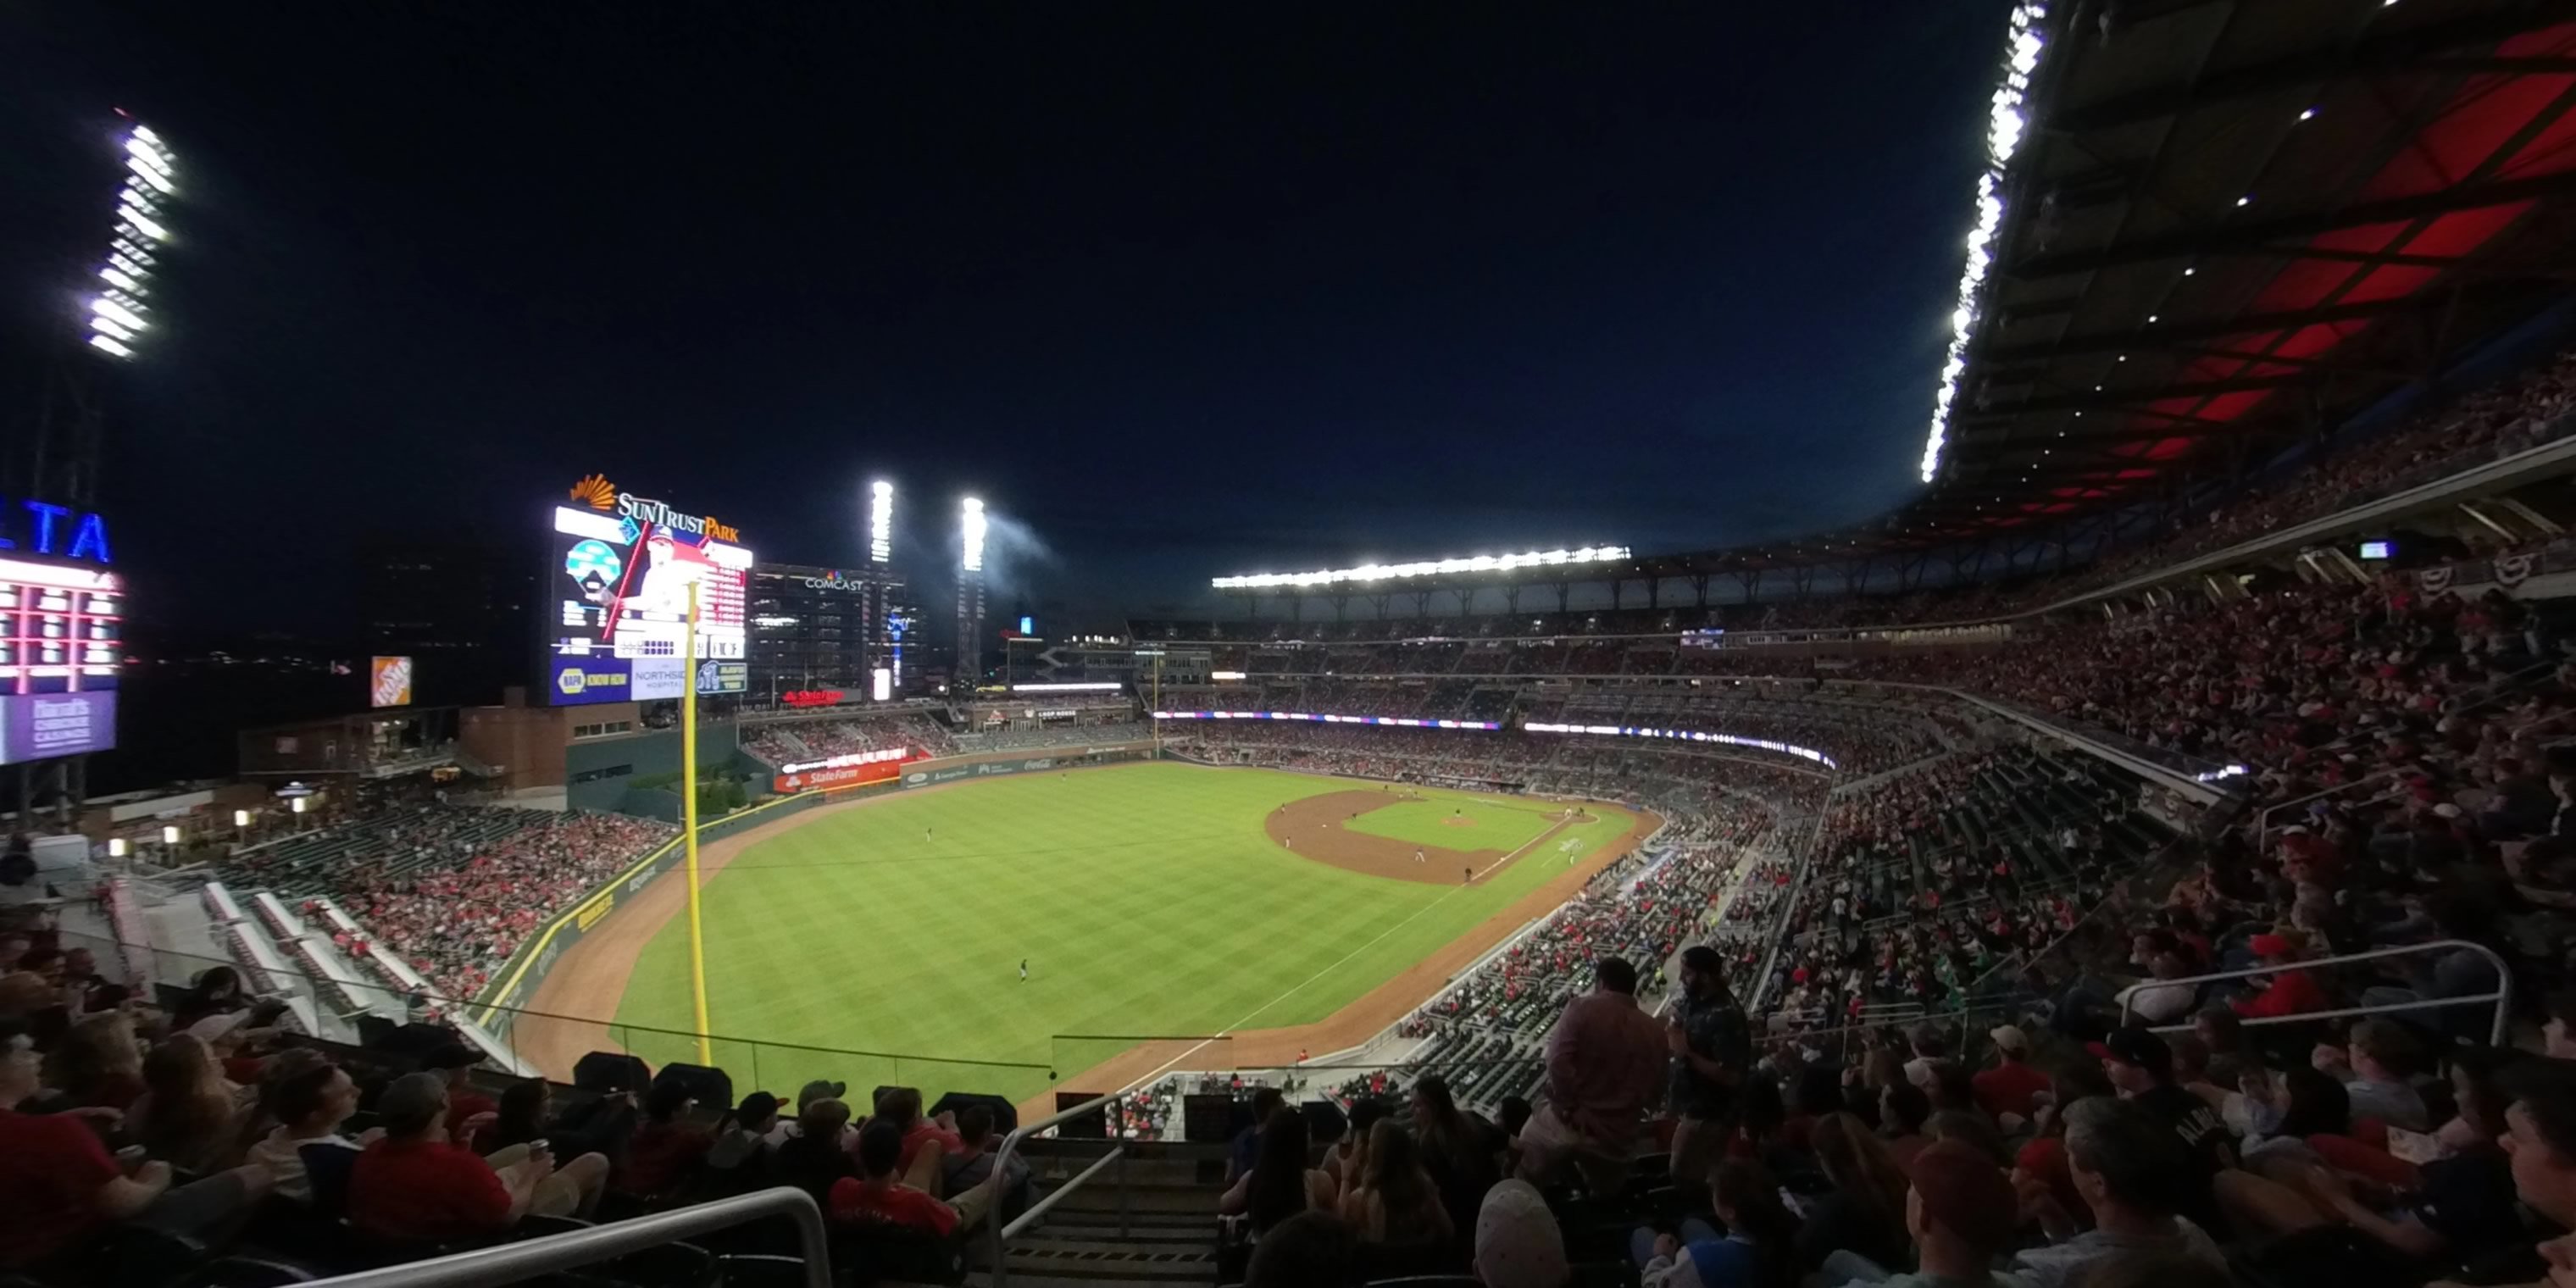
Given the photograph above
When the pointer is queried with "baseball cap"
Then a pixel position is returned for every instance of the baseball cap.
(2136, 1047)
(2010, 1038)
(756, 1106)
(1517, 1242)
(820, 1090)
(1703, 958)
(1963, 1190)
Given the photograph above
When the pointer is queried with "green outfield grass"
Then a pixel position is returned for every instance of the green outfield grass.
(1146, 898)
(1483, 823)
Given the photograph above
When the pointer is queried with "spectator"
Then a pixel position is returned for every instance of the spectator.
(1349, 1156)
(469, 1112)
(189, 1115)
(902, 1107)
(1604, 1060)
(309, 1105)
(2129, 1169)
(1962, 1216)
(414, 1186)
(1458, 1149)
(1280, 1184)
(812, 1093)
(1395, 1202)
(666, 1149)
(60, 1189)
(1308, 1250)
(2291, 991)
(2374, 1071)
(98, 1062)
(2541, 1138)
(1758, 1249)
(972, 1164)
(1518, 1244)
(2140, 1065)
(1902, 1111)
(2008, 1088)
(1712, 1049)
(881, 1195)
(1246, 1146)
(521, 1117)
(1864, 1213)
(812, 1159)
(218, 991)
(740, 1155)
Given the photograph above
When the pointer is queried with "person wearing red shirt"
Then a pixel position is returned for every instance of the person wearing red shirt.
(2008, 1087)
(883, 1195)
(664, 1152)
(60, 1188)
(902, 1107)
(468, 1111)
(2292, 992)
(414, 1186)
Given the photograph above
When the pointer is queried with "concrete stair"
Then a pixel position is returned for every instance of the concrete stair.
(1167, 1211)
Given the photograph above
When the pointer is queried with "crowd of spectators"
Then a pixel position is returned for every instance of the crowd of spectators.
(455, 913)
(799, 741)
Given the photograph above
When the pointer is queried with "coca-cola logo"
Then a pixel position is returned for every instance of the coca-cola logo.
(811, 697)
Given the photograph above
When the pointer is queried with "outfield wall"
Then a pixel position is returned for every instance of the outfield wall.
(526, 969)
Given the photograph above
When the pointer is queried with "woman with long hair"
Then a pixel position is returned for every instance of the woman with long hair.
(218, 991)
(1865, 1212)
(98, 1062)
(1280, 1184)
(1459, 1149)
(1396, 1203)
(1348, 1158)
(522, 1115)
(189, 1116)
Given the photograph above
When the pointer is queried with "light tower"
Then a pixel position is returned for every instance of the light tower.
(59, 463)
(877, 595)
(970, 594)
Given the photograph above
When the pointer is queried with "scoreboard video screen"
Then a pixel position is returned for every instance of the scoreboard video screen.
(61, 631)
(621, 571)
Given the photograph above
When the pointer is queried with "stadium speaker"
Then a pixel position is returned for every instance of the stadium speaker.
(711, 1088)
(1090, 1126)
(1209, 1116)
(1006, 1117)
(602, 1072)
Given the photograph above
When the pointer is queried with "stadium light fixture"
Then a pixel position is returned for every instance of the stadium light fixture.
(1426, 568)
(117, 314)
(974, 532)
(2005, 125)
(880, 522)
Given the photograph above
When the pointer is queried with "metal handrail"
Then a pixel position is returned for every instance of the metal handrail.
(2503, 993)
(1002, 1164)
(512, 1262)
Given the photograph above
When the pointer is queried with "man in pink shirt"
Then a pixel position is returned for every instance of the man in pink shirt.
(1605, 1062)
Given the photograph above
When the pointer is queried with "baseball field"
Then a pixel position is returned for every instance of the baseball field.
(1149, 901)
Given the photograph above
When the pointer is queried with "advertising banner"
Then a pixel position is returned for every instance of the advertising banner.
(827, 780)
(388, 682)
(34, 726)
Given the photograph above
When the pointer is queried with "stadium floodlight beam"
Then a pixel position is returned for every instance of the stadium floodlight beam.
(974, 527)
(1426, 568)
(118, 316)
(880, 522)
(2005, 125)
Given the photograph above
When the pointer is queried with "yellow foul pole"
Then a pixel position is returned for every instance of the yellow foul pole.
(689, 820)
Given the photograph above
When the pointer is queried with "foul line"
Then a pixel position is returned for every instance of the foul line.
(1229, 1030)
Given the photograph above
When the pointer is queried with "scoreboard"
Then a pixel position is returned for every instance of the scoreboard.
(62, 630)
(620, 574)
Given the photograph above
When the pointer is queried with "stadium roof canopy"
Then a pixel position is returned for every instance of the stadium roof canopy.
(2234, 221)
(2227, 224)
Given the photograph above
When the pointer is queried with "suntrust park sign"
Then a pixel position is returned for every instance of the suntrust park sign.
(599, 494)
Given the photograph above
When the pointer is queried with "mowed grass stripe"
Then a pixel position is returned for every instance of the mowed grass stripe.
(1147, 899)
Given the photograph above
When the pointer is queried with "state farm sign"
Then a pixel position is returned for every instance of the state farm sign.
(811, 698)
(836, 779)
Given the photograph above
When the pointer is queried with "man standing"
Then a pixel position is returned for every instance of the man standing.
(1602, 1066)
(1712, 1046)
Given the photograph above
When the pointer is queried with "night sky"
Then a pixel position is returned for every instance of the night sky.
(1186, 290)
